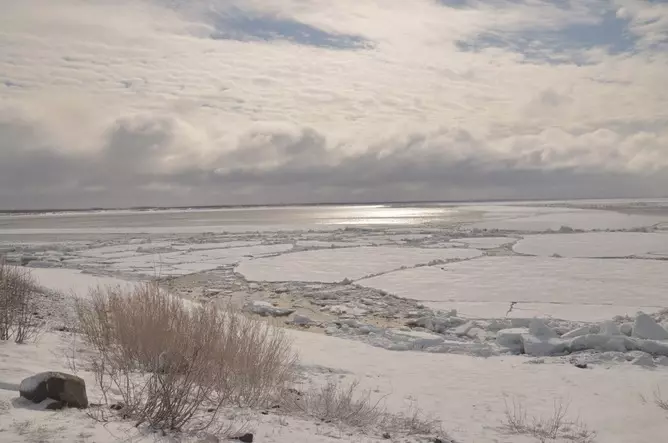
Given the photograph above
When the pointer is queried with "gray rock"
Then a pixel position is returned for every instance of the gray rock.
(66, 388)
(645, 327)
(55, 406)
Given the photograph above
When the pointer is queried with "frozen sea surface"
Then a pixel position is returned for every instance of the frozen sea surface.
(576, 289)
(596, 244)
(334, 265)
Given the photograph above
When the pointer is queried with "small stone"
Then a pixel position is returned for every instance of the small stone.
(246, 438)
(386, 435)
(117, 406)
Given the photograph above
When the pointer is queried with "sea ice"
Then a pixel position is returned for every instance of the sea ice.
(335, 265)
(575, 289)
(593, 244)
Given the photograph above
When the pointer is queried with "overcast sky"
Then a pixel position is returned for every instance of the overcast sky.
(191, 102)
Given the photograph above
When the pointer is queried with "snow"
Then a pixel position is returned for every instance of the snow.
(72, 281)
(595, 244)
(577, 289)
(454, 387)
(186, 261)
(449, 387)
(486, 242)
(338, 264)
(29, 384)
(437, 368)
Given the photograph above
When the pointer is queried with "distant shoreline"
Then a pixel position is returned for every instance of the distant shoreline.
(325, 204)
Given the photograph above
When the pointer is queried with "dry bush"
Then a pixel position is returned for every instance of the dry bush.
(17, 304)
(336, 403)
(170, 360)
(659, 400)
(554, 427)
(347, 405)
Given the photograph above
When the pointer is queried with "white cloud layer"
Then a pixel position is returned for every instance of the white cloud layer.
(175, 102)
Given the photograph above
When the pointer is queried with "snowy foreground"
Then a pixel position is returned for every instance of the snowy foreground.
(500, 305)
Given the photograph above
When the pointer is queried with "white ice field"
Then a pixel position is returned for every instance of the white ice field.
(445, 289)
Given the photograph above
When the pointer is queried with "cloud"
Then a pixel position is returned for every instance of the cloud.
(157, 102)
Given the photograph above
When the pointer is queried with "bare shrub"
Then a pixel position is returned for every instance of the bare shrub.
(543, 429)
(170, 360)
(659, 400)
(336, 403)
(341, 404)
(17, 304)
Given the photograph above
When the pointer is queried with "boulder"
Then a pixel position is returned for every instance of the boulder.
(512, 339)
(645, 327)
(584, 330)
(66, 388)
(539, 329)
(542, 347)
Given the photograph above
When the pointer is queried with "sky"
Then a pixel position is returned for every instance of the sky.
(115, 103)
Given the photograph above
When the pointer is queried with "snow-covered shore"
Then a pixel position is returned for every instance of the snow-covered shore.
(457, 300)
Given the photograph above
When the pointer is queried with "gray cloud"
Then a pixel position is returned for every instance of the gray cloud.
(279, 164)
(174, 102)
